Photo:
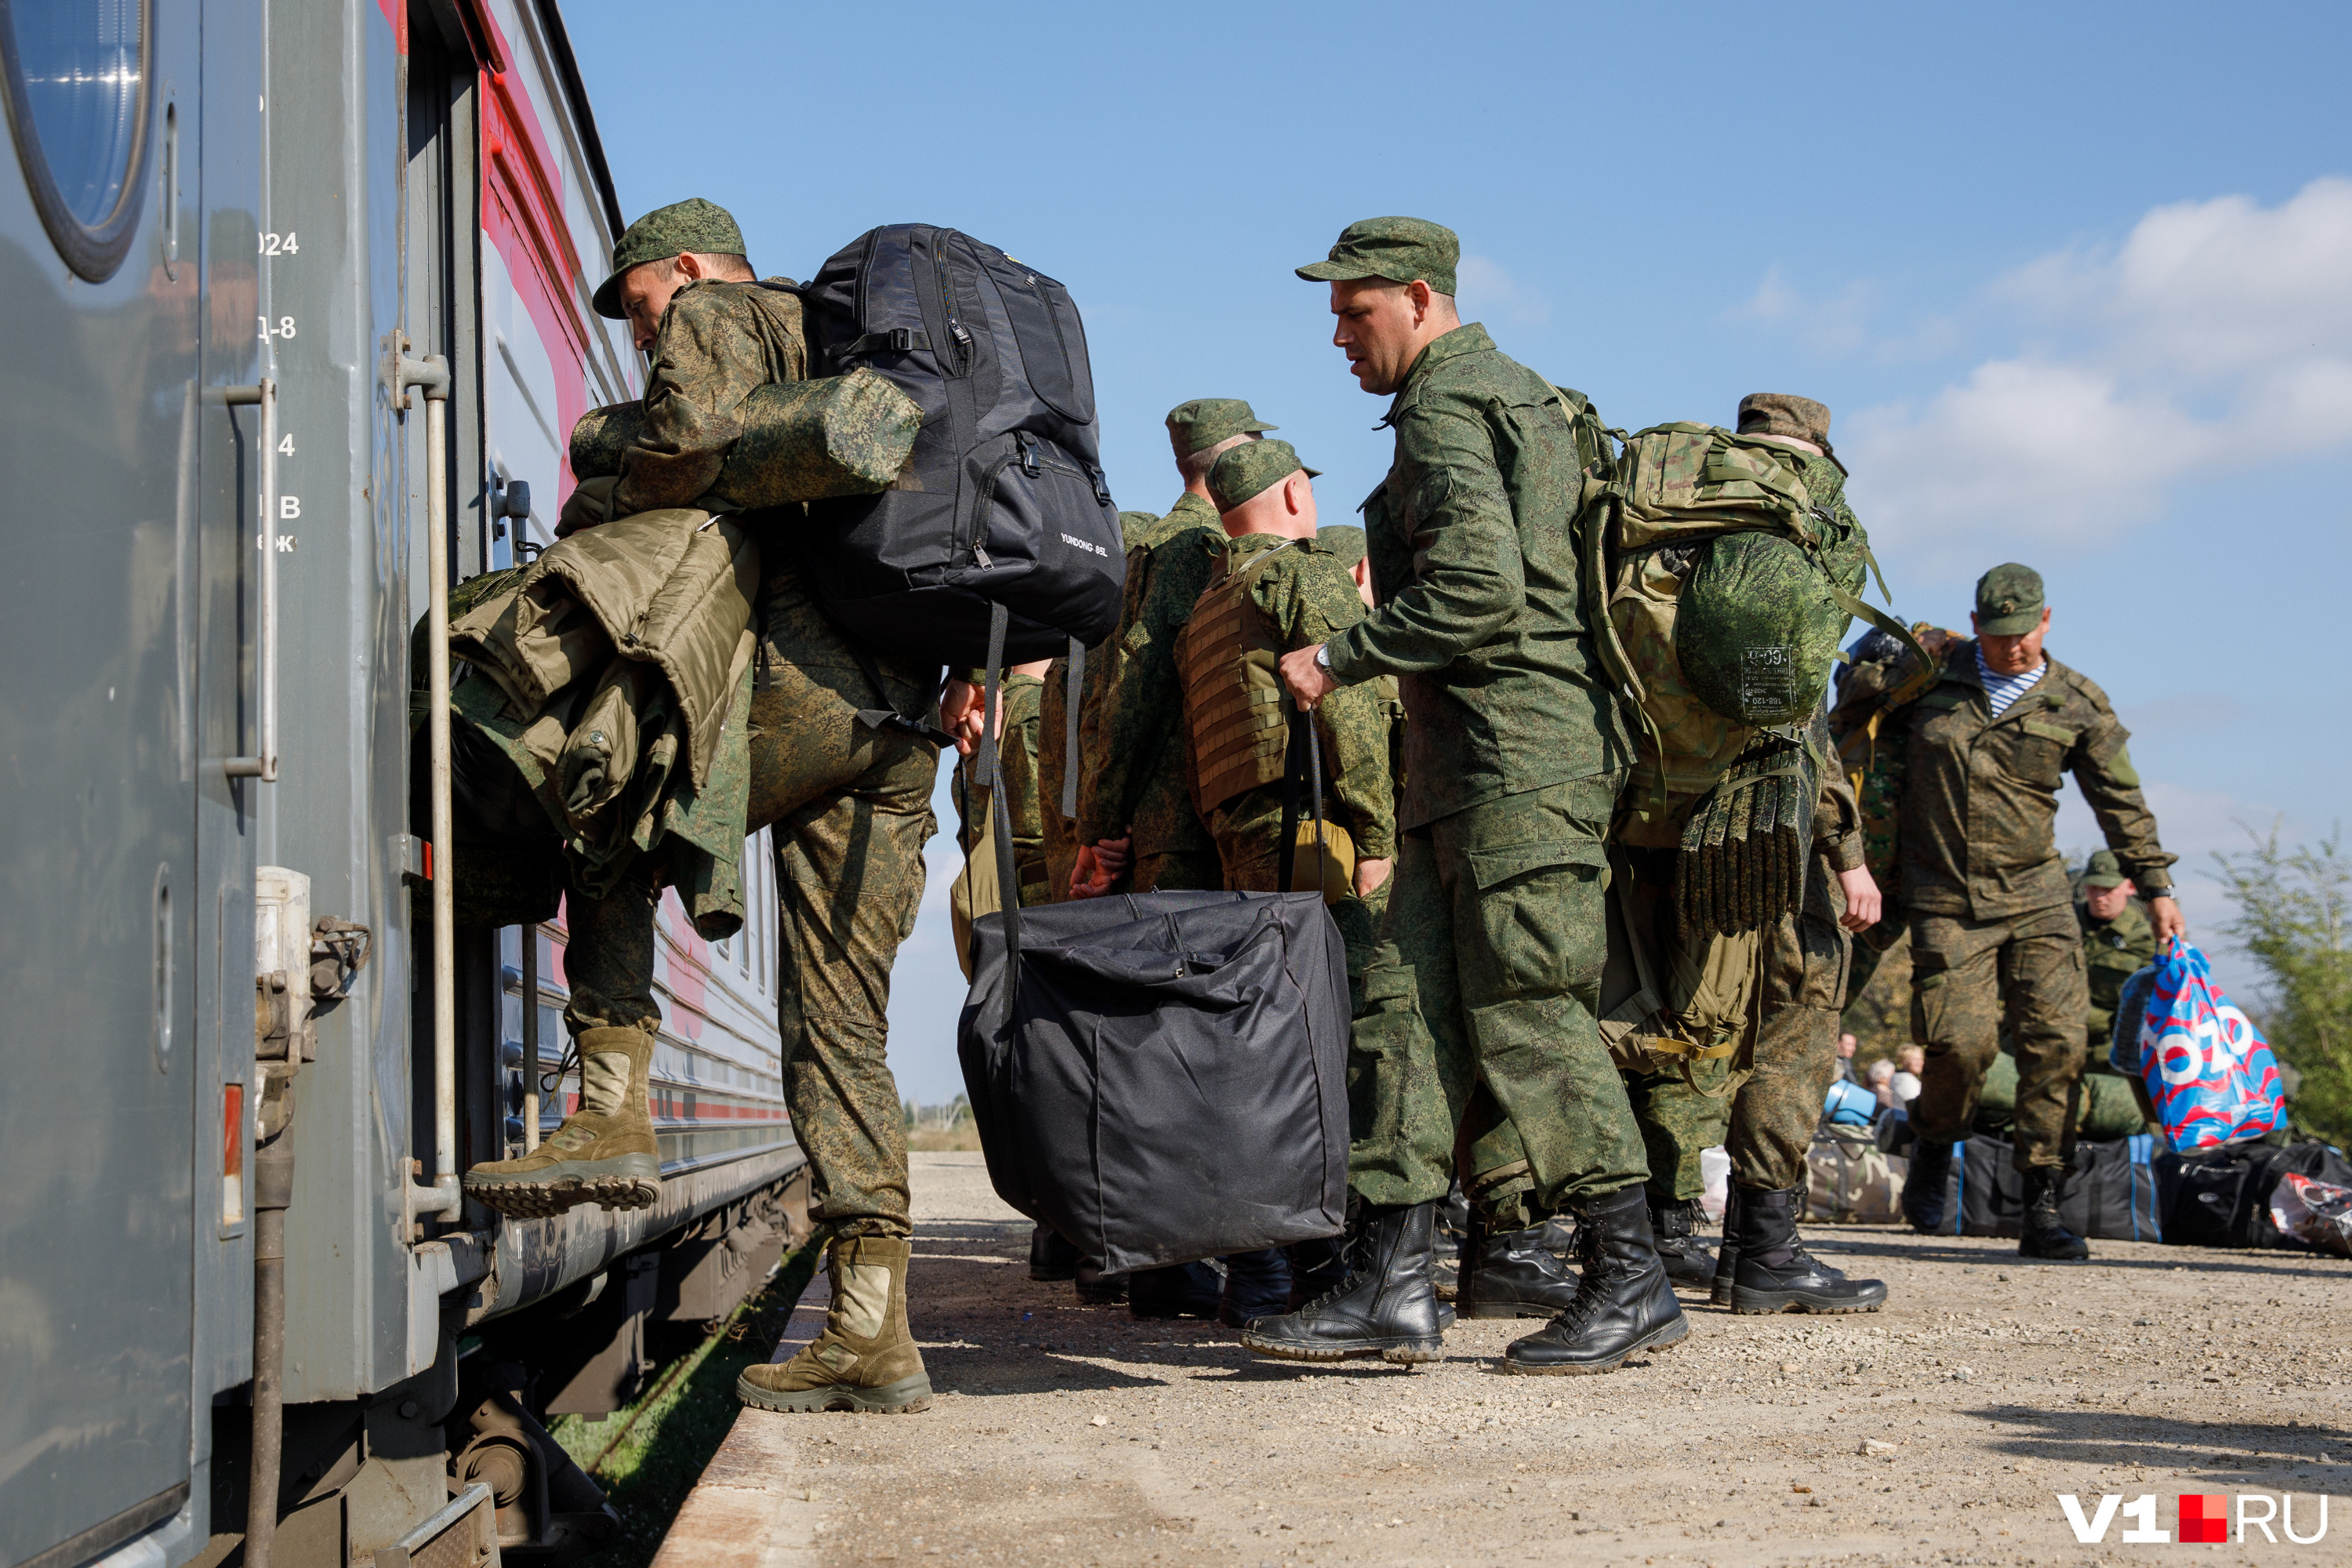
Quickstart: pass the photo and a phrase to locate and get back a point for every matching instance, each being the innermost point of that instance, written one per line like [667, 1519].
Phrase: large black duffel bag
[2222, 1196]
[1162, 1076]
[2111, 1190]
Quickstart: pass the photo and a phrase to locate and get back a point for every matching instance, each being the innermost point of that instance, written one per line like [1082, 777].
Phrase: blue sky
[2076, 280]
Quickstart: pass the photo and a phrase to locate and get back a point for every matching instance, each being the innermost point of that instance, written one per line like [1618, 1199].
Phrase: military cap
[1197, 425]
[1252, 467]
[695, 225]
[1782, 414]
[1344, 540]
[2104, 871]
[1397, 248]
[2008, 600]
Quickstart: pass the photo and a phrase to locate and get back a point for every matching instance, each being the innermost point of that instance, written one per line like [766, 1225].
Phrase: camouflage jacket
[1305, 597]
[2112, 951]
[718, 343]
[1134, 780]
[1474, 553]
[1980, 794]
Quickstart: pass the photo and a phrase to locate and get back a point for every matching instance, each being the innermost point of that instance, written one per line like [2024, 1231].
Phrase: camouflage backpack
[1727, 590]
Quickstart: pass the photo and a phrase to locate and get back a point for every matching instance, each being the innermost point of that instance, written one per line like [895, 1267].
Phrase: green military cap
[1397, 248]
[1344, 540]
[2104, 871]
[1251, 467]
[1783, 413]
[1197, 425]
[2008, 600]
[695, 225]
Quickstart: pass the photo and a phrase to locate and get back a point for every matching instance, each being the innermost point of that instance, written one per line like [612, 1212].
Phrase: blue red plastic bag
[2207, 1068]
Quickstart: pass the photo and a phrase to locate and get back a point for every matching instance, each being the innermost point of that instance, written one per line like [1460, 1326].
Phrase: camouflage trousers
[1969, 978]
[1478, 1005]
[1763, 1105]
[850, 807]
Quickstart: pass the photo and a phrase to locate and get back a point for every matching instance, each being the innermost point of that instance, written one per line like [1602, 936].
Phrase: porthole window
[79, 87]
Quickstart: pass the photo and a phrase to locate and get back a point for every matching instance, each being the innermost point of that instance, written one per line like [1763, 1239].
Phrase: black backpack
[1004, 502]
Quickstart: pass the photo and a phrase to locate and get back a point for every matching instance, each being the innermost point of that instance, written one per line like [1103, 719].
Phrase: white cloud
[1487, 292]
[2216, 337]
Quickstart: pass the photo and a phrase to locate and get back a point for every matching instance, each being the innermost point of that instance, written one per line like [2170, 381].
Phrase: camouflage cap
[2104, 871]
[1397, 248]
[1252, 467]
[2008, 600]
[1344, 540]
[693, 225]
[1783, 413]
[1197, 425]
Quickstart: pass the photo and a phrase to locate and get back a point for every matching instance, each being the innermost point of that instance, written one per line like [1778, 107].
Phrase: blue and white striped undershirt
[2001, 690]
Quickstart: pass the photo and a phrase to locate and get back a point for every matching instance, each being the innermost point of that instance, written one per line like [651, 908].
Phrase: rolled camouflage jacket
[1980, 793]
[719, 344]
[1473, 545]
[1134, 777]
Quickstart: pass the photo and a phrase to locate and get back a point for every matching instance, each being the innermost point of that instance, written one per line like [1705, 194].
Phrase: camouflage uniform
[2112, 951]
[1304, 598]
[1764, 1109]
[1988, 897]
[1488, 970]
[1138, 530]
[850, 805]
[1020, 695]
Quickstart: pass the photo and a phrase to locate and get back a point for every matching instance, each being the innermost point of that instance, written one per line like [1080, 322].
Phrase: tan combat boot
[605, 1153]
[865, 1359]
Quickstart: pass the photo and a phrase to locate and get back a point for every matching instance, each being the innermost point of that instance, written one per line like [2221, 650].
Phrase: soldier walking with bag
[1994, 936]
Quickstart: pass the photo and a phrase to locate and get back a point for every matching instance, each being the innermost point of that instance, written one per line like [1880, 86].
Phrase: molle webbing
[1233, 693]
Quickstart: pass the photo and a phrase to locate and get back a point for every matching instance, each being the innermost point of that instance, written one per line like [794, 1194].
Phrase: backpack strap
[1302, 738]
[1073, 689]
[1008, 875]
[883, 718]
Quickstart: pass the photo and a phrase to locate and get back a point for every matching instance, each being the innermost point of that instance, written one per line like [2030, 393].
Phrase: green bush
[2292, 908]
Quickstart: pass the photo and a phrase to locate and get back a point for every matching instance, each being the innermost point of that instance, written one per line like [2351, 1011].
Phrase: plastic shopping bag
[2206, 1066]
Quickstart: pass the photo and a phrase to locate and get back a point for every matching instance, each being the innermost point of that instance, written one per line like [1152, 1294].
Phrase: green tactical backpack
[1727, 591]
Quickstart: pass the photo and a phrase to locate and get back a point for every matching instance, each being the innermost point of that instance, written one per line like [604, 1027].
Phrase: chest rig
[1232, 691]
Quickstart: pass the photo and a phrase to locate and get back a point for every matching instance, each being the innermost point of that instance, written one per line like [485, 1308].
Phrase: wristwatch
[2152, 894]
[1323, 658]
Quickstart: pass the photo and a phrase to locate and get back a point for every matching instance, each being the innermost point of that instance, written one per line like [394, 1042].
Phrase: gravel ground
[1939, 1430]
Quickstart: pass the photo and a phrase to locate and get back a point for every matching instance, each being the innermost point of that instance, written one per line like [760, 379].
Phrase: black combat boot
[1051, 1257]
[1387, 1306]
[1624, 1305]
[1257, 1285]
[1923, 1186]
[1178, 1290]
[1316, 1267]
[1687, 1261]
[1727, 1255]
[1096, 1288]
[1517, 1275]
[2042, 1234]
[1776, 1273]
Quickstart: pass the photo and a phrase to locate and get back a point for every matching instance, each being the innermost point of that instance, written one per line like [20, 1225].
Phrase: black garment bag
[1162, 1076]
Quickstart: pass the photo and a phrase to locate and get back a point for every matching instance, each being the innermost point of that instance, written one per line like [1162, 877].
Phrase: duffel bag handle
[1302, 737]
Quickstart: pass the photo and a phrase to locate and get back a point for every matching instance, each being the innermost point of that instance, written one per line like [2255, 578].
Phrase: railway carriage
[297, 321]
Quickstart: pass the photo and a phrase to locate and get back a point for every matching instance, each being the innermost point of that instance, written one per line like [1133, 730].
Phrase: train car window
[79, 94]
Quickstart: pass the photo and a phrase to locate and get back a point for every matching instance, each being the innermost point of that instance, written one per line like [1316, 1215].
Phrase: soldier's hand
[1308, 682]
[962, 706]
[1111, 855]
[1863, 905]
[1088, 881]
[2164, 914]
[1369, 875]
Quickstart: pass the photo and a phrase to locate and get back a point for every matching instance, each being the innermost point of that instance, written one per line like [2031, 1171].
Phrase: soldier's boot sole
[1748, 1300]
[1401, 1352]
[905, 1397]
[1665, 1336]
[624, 1182]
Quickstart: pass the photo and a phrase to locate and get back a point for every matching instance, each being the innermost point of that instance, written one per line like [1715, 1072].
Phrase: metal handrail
[263, 764]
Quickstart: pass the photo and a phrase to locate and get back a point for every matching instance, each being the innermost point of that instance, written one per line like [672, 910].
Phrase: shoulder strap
[1302, 739]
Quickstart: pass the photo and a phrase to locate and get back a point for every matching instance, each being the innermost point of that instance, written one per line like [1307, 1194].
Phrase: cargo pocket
[1928, 995]
[1539, 913]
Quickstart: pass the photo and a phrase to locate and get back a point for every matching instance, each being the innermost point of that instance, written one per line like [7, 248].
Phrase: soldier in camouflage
[1024, 802]
[1993, 937]
[1764, 1105]
[1487, 974]
[1134, 811]
[850, 805]
[2119, 941]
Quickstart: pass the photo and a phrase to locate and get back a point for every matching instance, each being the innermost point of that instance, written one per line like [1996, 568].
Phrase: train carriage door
[129, 236]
